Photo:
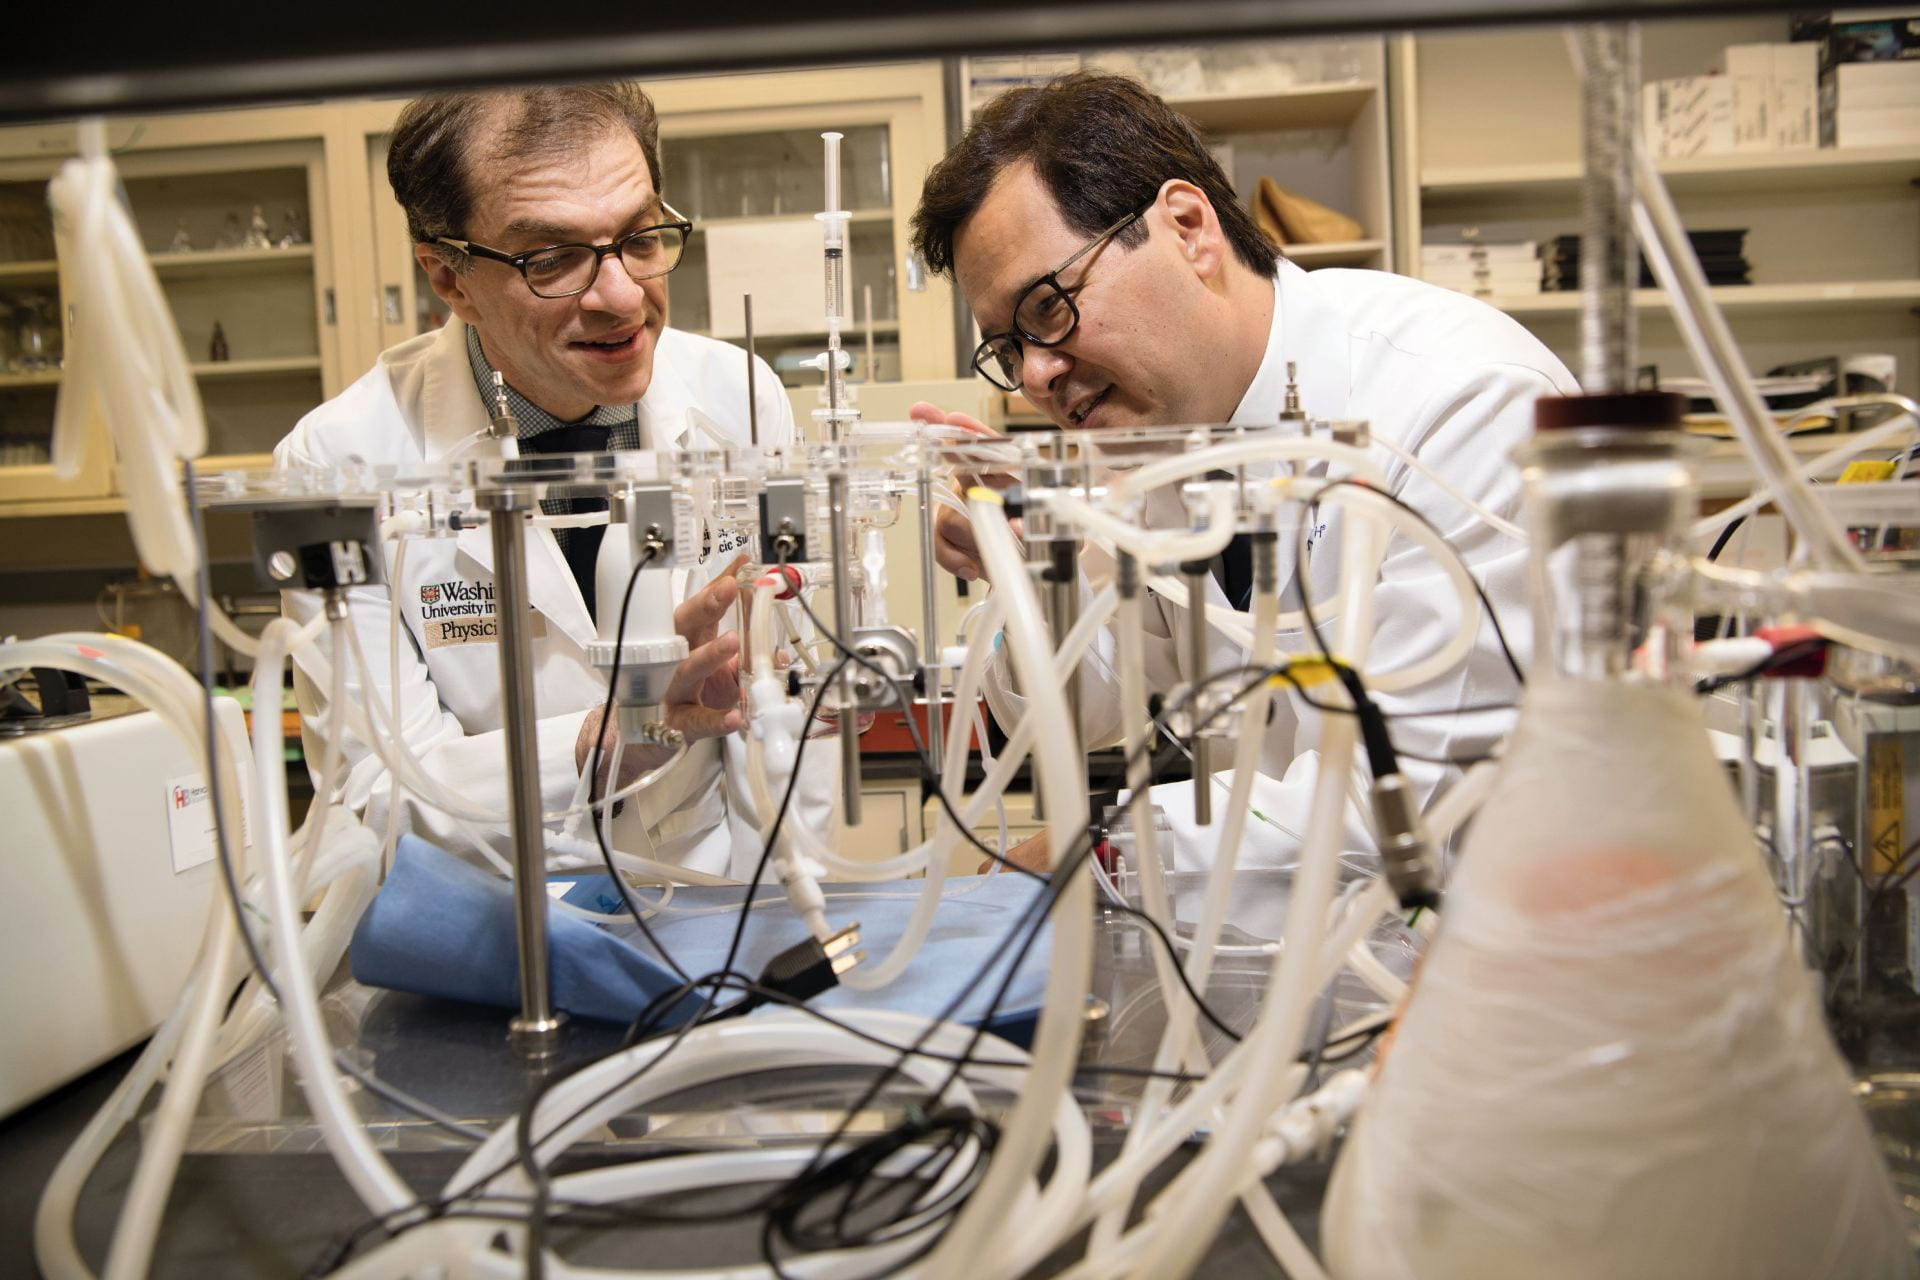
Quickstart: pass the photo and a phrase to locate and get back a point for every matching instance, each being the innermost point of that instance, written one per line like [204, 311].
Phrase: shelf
[1744, 299]
[104, 506]
[49, 379]
[1315, 106]
[257, 368]
[852, 336]
[1342, 253]
[857, 215]
[1777, 171]
[42, 271]
[175, 265]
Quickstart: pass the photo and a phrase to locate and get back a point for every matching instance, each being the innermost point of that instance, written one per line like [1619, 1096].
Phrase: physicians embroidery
[462, 612]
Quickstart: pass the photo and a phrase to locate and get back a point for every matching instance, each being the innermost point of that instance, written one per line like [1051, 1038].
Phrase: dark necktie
[581, 547]
[1233, 570]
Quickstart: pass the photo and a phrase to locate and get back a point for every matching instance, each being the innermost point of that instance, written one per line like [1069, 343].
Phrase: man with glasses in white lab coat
[1120, 283]
[538, 219]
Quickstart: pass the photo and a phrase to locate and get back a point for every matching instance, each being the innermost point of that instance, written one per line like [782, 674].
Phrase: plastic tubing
[775, 1038]
[1025, 1136]
[1458, 646]
[1197, 1201]
[1671, 256]
[1135, 484]
[189, 1028]
[1157, 547]
[1851, 446]
[368, 1173]
[1479, 510]
[802, 889]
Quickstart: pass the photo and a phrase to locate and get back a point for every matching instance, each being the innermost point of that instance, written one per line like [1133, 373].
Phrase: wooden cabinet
[300, 322]
[234, 211]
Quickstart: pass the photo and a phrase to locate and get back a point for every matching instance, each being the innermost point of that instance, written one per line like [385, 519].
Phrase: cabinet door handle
[391, 294]
[328, 311]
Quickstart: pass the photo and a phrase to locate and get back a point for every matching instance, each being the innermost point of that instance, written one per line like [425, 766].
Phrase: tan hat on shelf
[1287, 218]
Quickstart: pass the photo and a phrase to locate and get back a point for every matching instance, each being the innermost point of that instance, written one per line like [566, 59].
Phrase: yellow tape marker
[980, 493]
[1307, 672]
[1868, 471]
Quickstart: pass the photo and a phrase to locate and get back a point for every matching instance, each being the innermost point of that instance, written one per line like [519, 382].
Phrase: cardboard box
[1696, 115]
[1795, 123]
[1750, 73]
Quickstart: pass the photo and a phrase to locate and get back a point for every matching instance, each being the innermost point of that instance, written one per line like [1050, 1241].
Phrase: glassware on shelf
[217, 345]
[182, 241]
[232, 235]
[293, 230]
[257, 237]
[36, 336]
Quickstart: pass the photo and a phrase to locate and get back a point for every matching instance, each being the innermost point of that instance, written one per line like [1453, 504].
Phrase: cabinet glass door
[231, 238]
[752, 197]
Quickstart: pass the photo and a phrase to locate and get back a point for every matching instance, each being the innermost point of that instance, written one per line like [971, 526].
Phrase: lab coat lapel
[453, 411]
[550, 584]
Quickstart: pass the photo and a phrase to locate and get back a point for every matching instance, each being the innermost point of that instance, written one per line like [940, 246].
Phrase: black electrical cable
[900, 691]
[525, 1145]
[1082, 849]
[646, 556]
[223, 841]
[1304, 586]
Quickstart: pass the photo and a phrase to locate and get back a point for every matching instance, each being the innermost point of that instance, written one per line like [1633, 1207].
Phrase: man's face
[1129, 362]
[564, 354]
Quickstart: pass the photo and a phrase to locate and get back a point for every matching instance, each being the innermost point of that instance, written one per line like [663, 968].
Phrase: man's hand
[1032, 853]
[953, 544]
[702, 699]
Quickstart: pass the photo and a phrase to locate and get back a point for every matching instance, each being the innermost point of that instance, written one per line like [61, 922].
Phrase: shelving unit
[1835, 261]
[1779, 299]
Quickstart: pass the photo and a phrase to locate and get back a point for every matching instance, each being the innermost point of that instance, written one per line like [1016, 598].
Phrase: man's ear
[1196, 227]
[449, 284]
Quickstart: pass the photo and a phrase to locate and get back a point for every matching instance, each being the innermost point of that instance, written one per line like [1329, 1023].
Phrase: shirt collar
[1268, 390]
[534, 420]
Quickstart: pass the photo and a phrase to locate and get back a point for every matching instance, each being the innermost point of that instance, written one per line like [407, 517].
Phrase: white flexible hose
[1200, 1195]
[970, 1246]
[1670, 254]
[378, 1187]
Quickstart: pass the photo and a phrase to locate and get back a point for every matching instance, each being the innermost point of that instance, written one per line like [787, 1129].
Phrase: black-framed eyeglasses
[1045, 315]
[563, 270]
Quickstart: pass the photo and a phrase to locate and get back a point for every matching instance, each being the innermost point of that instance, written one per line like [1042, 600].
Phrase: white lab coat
[419, 403]
[1451, 380]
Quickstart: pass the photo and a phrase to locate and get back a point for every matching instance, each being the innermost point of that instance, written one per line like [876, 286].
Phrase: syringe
[833, 225]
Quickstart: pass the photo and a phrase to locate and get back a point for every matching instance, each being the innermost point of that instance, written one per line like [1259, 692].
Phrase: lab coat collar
[1299, 332]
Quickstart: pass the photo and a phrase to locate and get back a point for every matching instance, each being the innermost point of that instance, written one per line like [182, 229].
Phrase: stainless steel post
[535, 1033]
[1197, 649]
[843, 621]
[930, 677]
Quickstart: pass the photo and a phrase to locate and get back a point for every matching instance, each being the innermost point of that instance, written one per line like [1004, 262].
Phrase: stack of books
[1723, 256]
[1869, 75]
[1483, 269]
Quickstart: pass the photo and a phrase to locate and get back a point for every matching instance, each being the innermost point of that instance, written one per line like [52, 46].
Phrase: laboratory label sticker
[190, 822]
[461, 612]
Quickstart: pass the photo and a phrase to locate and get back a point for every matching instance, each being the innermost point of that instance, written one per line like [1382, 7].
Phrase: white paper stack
[1689, 116]
[1876, 104]
[1482, 269]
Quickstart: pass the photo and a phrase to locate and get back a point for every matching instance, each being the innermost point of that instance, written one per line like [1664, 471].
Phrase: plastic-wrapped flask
[1613, 1064]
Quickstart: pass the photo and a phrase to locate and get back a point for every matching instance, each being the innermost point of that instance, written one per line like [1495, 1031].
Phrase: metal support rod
[1196, 576]
[1063, 613]
[1609, 263]
[535, 1033]
[932, 686]
[841, 537]
[753, 400]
